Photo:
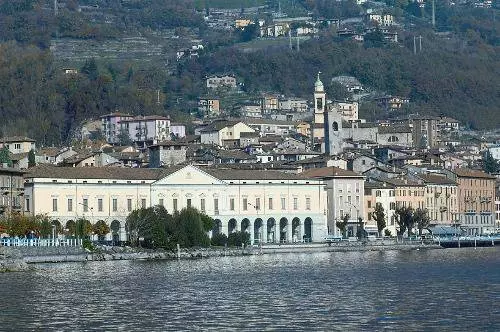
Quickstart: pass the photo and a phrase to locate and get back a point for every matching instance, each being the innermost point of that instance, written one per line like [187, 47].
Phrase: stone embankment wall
[11, 260]
[78, 254]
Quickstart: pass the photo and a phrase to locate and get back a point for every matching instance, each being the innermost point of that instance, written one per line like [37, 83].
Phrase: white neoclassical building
[272, 206]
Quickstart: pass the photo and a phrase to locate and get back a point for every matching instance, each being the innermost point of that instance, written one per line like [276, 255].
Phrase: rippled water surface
[442, 290]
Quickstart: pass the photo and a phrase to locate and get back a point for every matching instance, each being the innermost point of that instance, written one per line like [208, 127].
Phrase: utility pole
[290, 39]
[420, 42]
[55, 8]
[414, 45]
[298, 44]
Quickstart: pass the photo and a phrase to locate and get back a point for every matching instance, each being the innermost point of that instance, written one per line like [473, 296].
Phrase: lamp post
[53, 235]
[252, 234]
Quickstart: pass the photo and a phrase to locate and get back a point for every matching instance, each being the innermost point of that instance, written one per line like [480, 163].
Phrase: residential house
[440, 198]
[209, 106]
[476, 201]
[12, 190]
[384, 194]
[146, 130]
[345, 190]
[221, 131]
[111, 127]
[251, 111]
[224, 81]
[18, 144]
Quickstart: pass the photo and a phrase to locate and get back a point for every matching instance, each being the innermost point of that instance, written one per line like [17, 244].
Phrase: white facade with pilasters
[271, 206]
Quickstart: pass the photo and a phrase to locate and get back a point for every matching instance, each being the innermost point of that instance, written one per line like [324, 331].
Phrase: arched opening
[245, 225]
[58, 227]
[335, 126]
[296, 236]
[217, 229]
[259, 233]
[272, 230]
[231, 226]
[308, 235]
[283, 230]
[115, 231]
[70, 228]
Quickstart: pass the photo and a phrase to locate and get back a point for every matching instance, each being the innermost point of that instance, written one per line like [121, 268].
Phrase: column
[263, 232]
[225, 227]
[302, 231]
[252, 233]
[277, 232]
[289, 231]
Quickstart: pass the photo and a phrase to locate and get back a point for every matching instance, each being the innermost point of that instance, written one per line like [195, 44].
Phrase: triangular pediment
[189, 175]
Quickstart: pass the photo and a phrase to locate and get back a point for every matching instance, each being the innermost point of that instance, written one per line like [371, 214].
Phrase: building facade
[345, 196]
[272, 206]
[11, 198]
[476, 201]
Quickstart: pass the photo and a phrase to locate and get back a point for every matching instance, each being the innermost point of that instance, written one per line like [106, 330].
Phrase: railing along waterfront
[16, 242]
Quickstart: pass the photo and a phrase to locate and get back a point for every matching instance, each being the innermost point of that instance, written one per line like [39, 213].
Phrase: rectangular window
[85, 205]
[369, 204]
[160, 202]
[216, 205]
[188, 202]
[257, 203]
[129, 204]
[308, 203]
[202, 205]
[295, 203]
[174, 204]
[54, 204]
[143, 203]
[270, 205]
[283, 203]
[245, 204]
[70, 204]
[231, 204]
[115, 204]
[27, 205]
[99, 204]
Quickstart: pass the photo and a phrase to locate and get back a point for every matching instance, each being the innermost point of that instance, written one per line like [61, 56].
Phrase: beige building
[408, 193]
[476, 201]
[380, 193]
[440, 199]
[218, 132]
[345, 195]
[272, 206]
[18, 144]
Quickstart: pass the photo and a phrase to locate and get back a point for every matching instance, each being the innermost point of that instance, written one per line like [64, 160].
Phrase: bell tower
[319, 109]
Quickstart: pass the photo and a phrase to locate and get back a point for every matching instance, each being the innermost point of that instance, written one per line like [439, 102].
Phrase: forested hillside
[456, 73]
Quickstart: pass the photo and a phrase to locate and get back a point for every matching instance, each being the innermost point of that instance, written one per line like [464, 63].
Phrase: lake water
[442, 290]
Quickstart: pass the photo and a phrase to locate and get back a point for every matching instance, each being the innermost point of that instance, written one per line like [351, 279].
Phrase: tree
[422, 219]
[31, 159]
[219, 240]
[5, 156]
[342, 225]
[83, 228]
[361, 232]
[100, 228]
[237, 239]
[404, 219]
[379, 217]
[490, 164]
[249, 32]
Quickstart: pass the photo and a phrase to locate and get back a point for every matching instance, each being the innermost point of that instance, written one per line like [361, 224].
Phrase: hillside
[125, 54]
